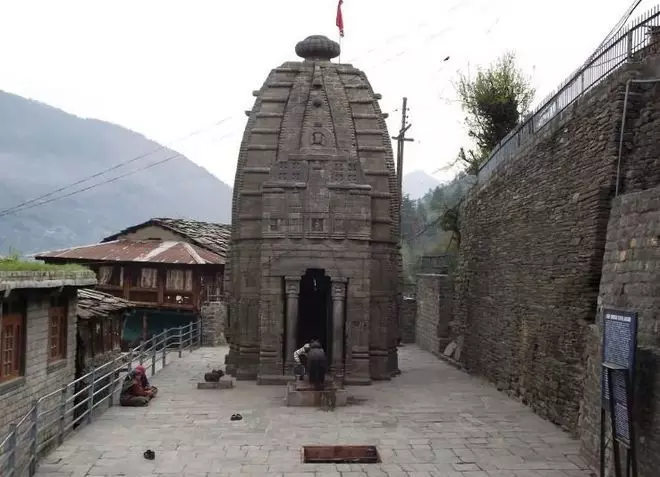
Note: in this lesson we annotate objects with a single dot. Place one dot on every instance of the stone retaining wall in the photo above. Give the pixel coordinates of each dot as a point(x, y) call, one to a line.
point(408, 319)
point(434, 311)
point(533, 237)
point(630, 281)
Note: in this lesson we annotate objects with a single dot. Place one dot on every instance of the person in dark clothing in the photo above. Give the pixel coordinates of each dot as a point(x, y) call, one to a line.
point(317, 365)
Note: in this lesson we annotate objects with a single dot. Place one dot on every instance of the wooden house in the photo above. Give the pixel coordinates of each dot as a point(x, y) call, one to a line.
point(100, 319)
point(166, 268)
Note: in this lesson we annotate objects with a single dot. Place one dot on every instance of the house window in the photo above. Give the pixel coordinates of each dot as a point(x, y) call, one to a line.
point(149, 278)
point(179, 280)
point(57, 329)
point(111, 275)
point(11, 342)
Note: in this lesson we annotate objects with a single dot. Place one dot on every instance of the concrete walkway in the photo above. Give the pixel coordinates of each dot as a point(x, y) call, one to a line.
point(433, 420)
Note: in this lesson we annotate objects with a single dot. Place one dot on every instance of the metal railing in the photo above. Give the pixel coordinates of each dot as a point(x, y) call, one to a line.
point(54, 416)
point(607, 59)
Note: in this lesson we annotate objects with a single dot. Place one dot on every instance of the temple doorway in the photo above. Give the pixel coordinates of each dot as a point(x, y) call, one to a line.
point(315, 309)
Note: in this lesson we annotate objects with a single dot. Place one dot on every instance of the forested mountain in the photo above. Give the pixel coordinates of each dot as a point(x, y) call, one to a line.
point(422, 225)
point(417, 183)
point(43, 148)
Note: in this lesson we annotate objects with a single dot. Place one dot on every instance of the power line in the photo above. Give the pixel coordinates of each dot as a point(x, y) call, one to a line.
point(112, 168)
point(93, 186)
point(33, 202)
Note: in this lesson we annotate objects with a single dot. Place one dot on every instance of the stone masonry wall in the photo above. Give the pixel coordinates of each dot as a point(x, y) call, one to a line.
point(214, 315)
point(533, 236)
point(408, 319)
point(630, 281)
point(40, 378)
point(434, 311)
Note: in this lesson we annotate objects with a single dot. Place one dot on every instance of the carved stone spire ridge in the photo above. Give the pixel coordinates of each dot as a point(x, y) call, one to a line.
point(318, 48)
point(315, 205)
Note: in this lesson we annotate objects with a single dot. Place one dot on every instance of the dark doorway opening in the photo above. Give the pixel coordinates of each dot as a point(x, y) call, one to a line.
point(314, 309)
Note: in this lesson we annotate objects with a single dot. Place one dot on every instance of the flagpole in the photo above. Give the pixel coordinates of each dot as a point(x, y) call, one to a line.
point(340, 24)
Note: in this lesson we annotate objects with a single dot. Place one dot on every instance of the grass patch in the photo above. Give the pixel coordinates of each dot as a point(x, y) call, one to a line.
point(15, 264)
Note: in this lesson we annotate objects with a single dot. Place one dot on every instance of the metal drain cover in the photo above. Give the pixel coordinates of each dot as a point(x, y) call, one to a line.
point(340, 455)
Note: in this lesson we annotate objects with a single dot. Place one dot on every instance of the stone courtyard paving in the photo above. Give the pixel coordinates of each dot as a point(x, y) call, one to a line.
point(433, 420)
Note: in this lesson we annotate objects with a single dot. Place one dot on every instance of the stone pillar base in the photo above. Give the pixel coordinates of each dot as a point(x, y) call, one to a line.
point(213, 315)
point(359, 374)
point(243, 374)
point(247, 363)
point(393, 361)
point(378, 365)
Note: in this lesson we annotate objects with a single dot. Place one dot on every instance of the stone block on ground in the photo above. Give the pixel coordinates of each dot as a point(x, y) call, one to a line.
point(222, 384)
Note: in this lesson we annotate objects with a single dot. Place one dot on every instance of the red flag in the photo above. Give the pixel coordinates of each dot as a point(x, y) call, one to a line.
point(340, 19)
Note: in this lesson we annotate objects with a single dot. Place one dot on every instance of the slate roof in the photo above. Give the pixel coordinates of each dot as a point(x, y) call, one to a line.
point(209, 235)
point(96, 304)
point(148, 251)
point(46, 279)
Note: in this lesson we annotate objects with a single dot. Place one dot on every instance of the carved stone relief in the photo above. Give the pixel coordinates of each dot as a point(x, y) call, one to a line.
point(318, 139)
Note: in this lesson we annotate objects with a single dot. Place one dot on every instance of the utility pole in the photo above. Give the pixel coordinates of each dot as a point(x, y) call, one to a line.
point(401, 139)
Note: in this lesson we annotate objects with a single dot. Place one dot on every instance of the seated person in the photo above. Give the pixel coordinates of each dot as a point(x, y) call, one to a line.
point(317, 365)
point(144, 381)
point(133, 394)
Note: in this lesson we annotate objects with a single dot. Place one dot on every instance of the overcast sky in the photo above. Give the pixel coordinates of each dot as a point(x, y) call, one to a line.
point(167, 68)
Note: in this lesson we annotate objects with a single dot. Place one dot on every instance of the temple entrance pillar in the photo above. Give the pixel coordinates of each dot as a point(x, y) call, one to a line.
point(338, 321)
point(292, 289)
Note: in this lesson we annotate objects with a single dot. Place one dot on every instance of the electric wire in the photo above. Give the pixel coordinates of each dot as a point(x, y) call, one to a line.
point(29, 204)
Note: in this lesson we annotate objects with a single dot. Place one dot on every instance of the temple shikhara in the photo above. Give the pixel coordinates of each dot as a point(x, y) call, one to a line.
point(315, 227)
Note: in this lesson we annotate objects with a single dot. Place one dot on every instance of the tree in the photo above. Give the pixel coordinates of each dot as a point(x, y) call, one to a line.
point(494, 101)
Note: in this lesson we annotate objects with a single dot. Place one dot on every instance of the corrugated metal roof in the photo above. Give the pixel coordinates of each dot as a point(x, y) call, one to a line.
point(148, 251)
point(212, 236)
point(96, 304)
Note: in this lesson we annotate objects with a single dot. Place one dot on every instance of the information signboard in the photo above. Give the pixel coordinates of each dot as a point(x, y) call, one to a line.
point(619, 344)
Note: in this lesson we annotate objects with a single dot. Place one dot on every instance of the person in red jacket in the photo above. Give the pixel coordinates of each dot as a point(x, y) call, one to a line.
point(133, 393)
point(144, 381)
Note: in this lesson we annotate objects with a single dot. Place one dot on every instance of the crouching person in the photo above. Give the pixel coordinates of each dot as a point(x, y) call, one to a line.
point(133, 393)
point(300, 360)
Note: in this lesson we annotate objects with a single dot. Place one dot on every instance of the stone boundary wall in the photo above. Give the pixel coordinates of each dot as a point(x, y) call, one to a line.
point(408, 319)
point(434, 311)
point(533, 237)
point(630, 281)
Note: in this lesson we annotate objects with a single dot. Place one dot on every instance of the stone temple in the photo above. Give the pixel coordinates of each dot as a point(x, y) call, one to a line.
point(315, 228)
